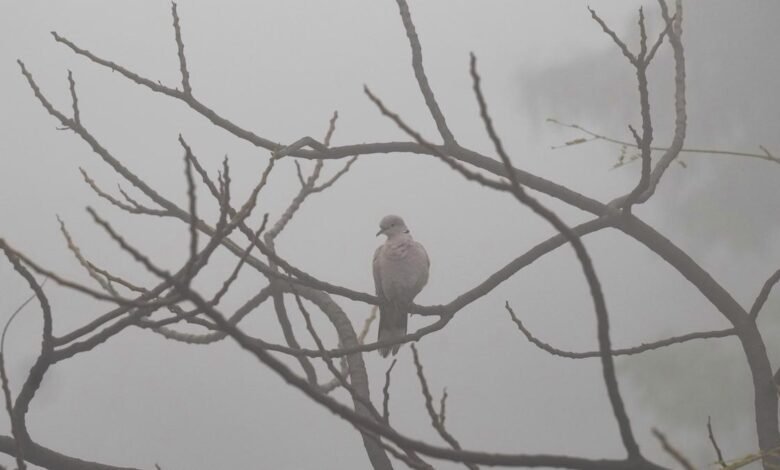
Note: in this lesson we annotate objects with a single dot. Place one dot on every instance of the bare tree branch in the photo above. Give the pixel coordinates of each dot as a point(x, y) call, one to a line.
point(646, 140)
point(192, 199)
point(422, 79)
point(15, 432)
point(379, 429)
point(764, 294)
point(409, 461)
point(47, 458)
point(65, 282)
point(270, 236)
point(185, 74)
point(672, 451)
point(14, 314)
point(436, 421)
point(622, 45)
point(599, 304)
point(674, 26)
point(74, 98)
point(133, 208)
point(248, 307)
point(134, 312)
point(360, 420)
point(40, 366)
point(462, 154)
point(715, 446)
point(386, 393)
point(329, 362)
point(616, 352)
point(596, 136)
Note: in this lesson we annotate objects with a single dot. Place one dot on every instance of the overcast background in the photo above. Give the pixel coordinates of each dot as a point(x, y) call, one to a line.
point(280, 68)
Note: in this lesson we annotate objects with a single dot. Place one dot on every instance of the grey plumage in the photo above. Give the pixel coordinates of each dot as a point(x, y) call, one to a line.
point(401, 268)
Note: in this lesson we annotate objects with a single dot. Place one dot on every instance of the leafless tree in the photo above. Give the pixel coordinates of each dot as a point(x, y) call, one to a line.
point(173, 301)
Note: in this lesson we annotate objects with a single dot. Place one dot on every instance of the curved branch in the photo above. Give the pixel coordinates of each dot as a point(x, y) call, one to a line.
point(596, 293)
point(764, 390)
point(9, 407)
point(617, 352)
point(447, 311)
point(758, 304)
point(437, 420)
point(681, 113)
point(215, 336)
point(42, 362)
point(47, 458)
point(361, 398)
point(672, 451)
point(422, 79)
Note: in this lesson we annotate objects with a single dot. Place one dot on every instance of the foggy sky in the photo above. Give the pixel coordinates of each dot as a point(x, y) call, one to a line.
point(280, 68)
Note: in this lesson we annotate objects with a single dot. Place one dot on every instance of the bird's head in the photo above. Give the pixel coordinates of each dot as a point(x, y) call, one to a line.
point(392, 225)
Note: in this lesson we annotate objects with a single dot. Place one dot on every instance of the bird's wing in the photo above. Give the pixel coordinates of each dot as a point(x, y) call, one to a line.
point(377, 274)
point(424, 262)
point(424, 254)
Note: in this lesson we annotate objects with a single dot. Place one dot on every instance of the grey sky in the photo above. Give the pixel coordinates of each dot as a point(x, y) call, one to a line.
point(280, 69)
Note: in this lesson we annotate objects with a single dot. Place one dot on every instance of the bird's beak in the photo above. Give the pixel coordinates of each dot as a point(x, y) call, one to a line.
point(380, 232)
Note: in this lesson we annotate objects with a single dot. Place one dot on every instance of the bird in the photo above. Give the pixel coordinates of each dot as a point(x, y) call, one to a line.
point(401, 268)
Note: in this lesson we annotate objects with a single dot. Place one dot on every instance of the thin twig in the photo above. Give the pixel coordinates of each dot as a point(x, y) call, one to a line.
point(6, 384)
point(134, 208)
point(185, 74)
point(42, 362)
point(422, 79)
point(386, 393)
point(240, 313)
point(74, 98)
point(414, 463)
point(674, 25)
point(327, 184)
point(595, 136)
point(241, 261)
point(14, 314)
point(764, 294)
point(361, 338)
point(711, 435)
point(672, 451)
point(191, 198)
point(433, 149)
point(436, 421)
point(658, 41)
point(622, 45)
point(20, 465)
point(443, 406)
point(105, 284)
point(203, 174)
point(616, 352)
point(329, 362)
point(289, 335)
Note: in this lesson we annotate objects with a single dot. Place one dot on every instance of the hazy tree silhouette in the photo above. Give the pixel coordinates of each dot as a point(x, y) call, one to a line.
point(176, 307)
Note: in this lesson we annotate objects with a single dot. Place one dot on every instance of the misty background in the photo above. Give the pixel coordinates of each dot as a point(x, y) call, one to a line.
point(280, 69)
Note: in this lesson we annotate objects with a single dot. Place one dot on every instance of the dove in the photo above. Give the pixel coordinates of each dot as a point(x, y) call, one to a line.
point(401, 268)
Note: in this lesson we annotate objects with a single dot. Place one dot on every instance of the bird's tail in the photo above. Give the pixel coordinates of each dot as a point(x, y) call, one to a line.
point(392, 325)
